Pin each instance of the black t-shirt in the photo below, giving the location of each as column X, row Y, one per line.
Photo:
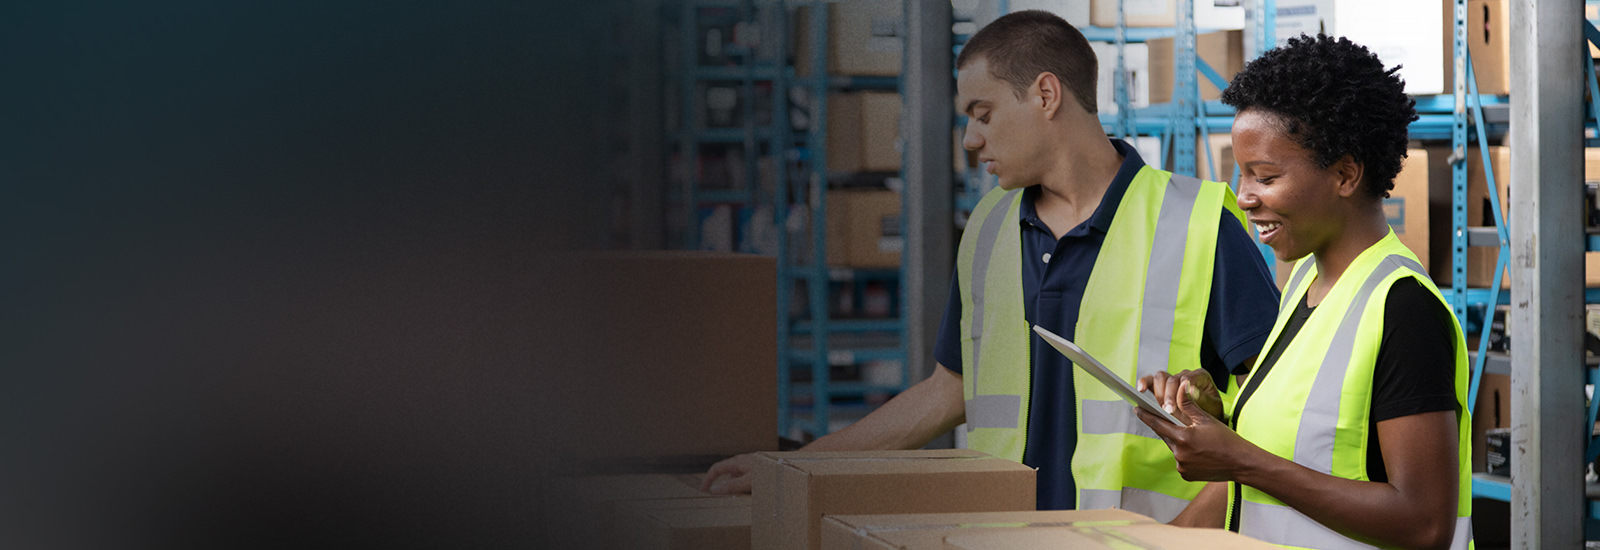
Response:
column 1415, row 371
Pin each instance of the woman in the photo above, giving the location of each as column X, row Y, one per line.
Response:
column 1351, row 429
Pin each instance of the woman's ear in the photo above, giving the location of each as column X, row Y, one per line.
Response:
column 1348, row 174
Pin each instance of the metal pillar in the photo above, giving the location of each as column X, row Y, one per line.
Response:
column 1547, row 400
column 929, row 179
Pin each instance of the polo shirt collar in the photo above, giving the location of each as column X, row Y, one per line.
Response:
column 1101, row 219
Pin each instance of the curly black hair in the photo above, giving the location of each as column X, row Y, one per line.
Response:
column 1335, row 98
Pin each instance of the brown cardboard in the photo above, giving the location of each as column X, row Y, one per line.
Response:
column 1406, row 207
column 880, row 131
column 863, row 132
column 863, row 38
column 1493, row 410
column 844, row 145
column 927, row 531
column 712, row 523
column 1221, row 157
column 681, row 347
column 863, row 228
column 1223, row 50
column 1107, row 537
column 1488, row 40
column 591, row 505
column 1159, row 13
column 793, row 491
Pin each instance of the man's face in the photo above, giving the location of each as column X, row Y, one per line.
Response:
column 1005, row 131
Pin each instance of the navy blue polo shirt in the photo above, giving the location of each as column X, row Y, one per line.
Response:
column 1242, row 308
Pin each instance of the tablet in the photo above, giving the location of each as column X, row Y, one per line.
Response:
column 1099, row 371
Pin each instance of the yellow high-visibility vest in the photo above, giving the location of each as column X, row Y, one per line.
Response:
column 1315, row 405
column 1143, row 311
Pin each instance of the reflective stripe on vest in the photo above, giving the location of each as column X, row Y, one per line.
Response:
column 994, row 333
column 1143, row 310
column 1329, row 439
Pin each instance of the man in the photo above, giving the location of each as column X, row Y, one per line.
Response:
column 1148, row 272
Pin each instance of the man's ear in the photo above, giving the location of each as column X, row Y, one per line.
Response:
column 1349, row 174
column 1047, row 94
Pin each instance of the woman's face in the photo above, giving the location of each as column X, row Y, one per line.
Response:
column 1293, row 202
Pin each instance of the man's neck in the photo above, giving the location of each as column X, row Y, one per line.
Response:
column 1077, row 182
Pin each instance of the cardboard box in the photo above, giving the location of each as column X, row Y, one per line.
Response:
column 1221, row 148
column 1488, row 39
column 681, row 347
column 793, row 491
column 593, row 505
column 865, row 38
column 1108, row 537
column 1136, row 63
column 863, row 132
column 1407, row 204
column 720, row 523
column 880, row 131
column 1497, row 457
column 927, row 531
column 1163, row 13
column 1224, row 51
column 1481, row 260
column 1492, row 411
column 864, row 228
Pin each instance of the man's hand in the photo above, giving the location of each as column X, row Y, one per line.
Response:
column 731, row 476
column 1201, row 389
column 1205, row 448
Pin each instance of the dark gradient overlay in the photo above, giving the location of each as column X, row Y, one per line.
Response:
column 279, row 274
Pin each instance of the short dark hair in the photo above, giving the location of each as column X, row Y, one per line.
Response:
column 1334, row 98
column 1020, row 45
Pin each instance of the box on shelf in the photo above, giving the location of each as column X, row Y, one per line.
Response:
column 679, row 345
column 880, row 131
column 793, row 491
column 722, row 523
column 1221, row 149
column 1223, row 50
column 1481, row 260
column 1406, row 207
column 1106, row 537
column 1497, row 453
column 1488, row 40
column 865, row 38
column 863, row 132
column 928, row 531
column 1163, row 13
column 1136, row 63
column 864, row 228
column 1492, row 411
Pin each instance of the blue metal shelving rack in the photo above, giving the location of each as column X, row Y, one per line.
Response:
column 691, row 135
column 1468, row 114
column 829, row 341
